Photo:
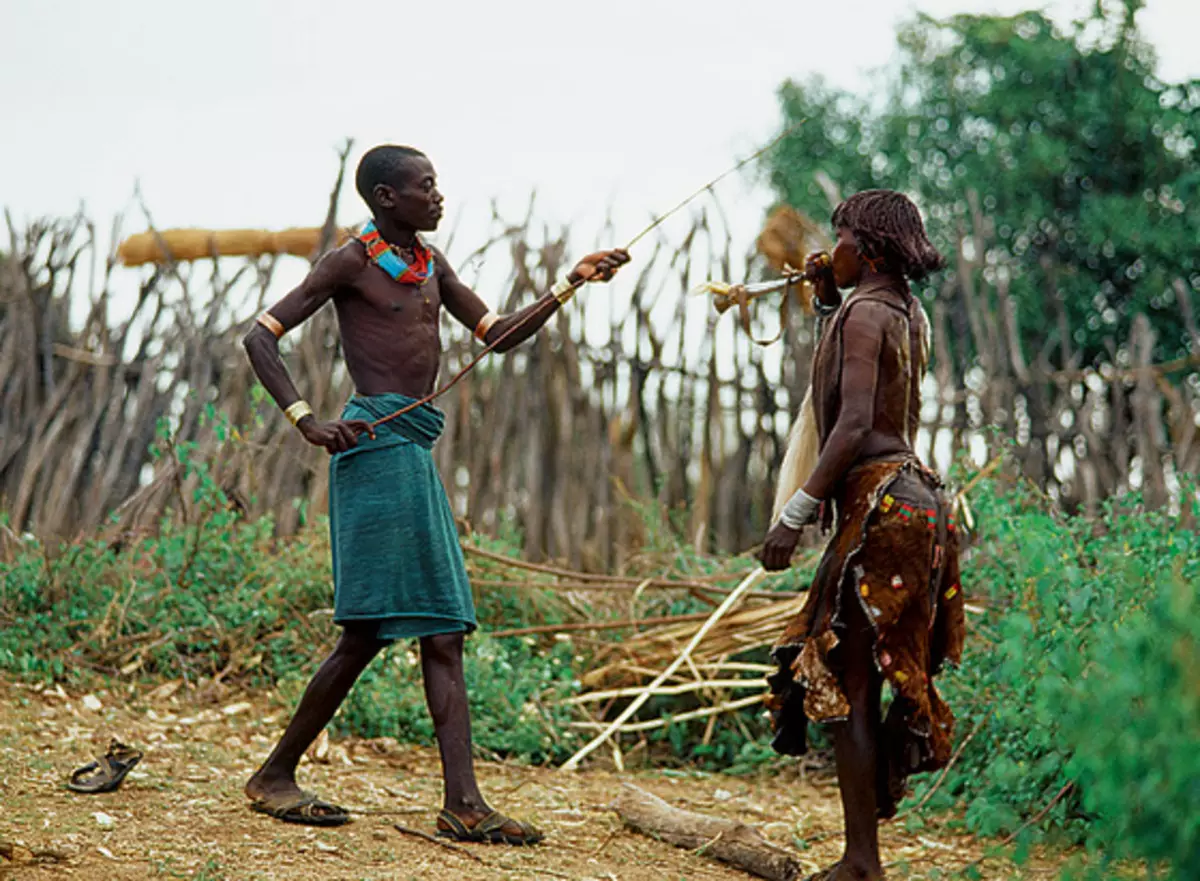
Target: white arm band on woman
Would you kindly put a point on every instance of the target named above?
(800, 510)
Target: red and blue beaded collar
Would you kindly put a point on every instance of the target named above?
(385, 257)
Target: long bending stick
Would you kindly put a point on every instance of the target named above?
(712, 183)
(653, 225)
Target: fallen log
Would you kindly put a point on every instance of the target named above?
(730, 842)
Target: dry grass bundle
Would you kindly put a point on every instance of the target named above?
(662, 661)
(693, 655)
(789, 236)
(630, 662)
(681, 659)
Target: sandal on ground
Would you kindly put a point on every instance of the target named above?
(305, 809)
(490, 829)
(106, 773)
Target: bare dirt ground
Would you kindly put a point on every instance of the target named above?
(181, 813)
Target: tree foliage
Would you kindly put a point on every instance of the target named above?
(1061, 156)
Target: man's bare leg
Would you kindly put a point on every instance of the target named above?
(446, 695)
(856, 747)
(325, 693)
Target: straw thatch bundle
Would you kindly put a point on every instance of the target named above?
(199, 244)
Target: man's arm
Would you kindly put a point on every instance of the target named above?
(262, 345)
(472, 312)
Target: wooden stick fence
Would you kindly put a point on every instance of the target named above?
(631, 417)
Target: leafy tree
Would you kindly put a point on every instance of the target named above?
(1061, 157)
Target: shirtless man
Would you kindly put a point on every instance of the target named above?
(398, 568)
(885, 603)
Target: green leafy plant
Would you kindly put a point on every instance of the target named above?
(1076, 702)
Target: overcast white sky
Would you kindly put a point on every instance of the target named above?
(229, 112)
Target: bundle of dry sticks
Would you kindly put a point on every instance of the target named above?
(698, 655)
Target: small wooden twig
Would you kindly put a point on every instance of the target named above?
(329, 228)
(651, 724)
(821, 836)
(607, 841)
(681, 688)
(703, 849)
(1034, 819)
(949, 765)
(425, 836)
(598, 625)
(541, 870)
(983, 472)
(83, 356)
(1038, 816)
(462, 851)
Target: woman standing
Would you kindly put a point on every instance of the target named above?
(885, 603)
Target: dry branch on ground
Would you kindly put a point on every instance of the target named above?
(729, 841)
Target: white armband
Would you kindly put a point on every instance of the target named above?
(800, 510)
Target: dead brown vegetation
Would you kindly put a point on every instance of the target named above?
(619, 404)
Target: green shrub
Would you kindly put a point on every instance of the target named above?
(204, 592)
(1076, 677)
(1132, 711)
(514, 691)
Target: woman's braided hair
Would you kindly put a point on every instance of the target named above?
(888, 228)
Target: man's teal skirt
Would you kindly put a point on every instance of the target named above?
(396, 557)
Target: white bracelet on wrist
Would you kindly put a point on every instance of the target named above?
(800, 510)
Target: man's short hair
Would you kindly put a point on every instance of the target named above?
(381, 165)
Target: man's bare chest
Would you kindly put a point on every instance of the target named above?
(378, 298)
